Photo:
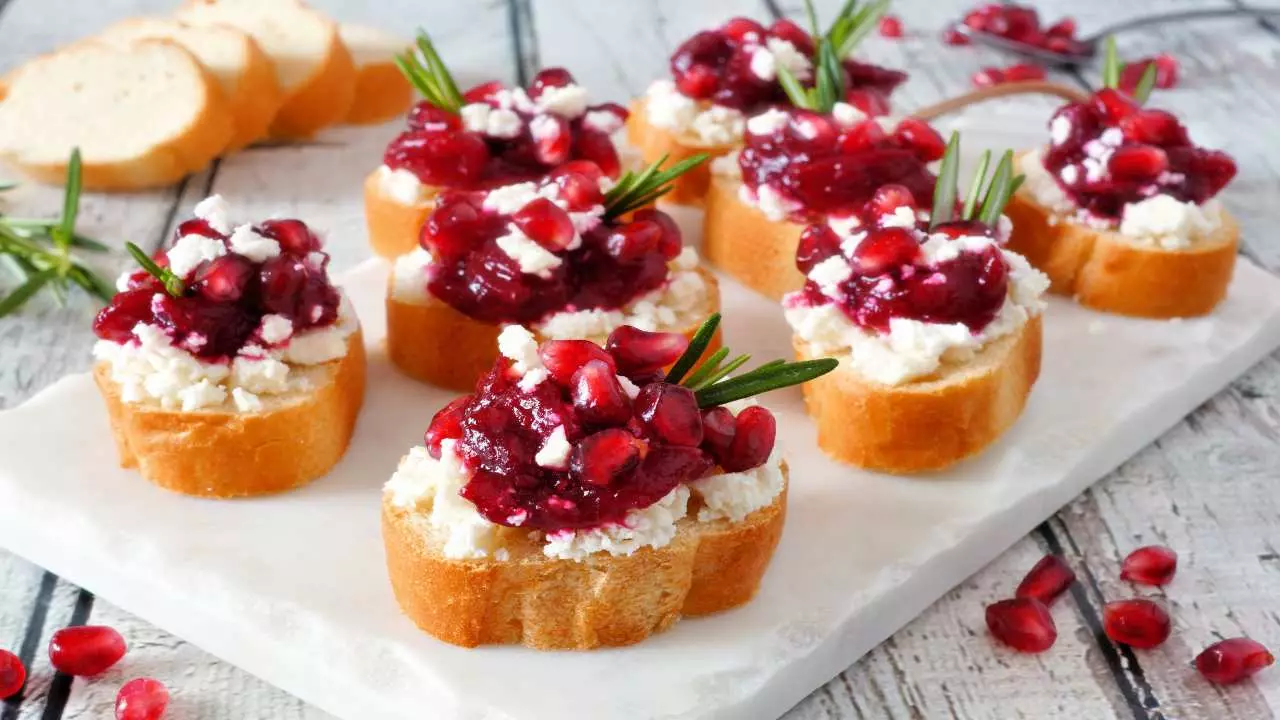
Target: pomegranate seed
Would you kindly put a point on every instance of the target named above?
(1154, 127)
(1150, 565)
(863, 136)
(817, 243)
(142, 699)
(563, 358)
(1139, 623)
(634, 240)
(446, 425)
(885, 249)
(1224, 662)
(1023, 624)
(1023, 72)
(195, 226)
(1166, 72)
(987, 77)
(293, 235)
(598, 396)
(85, 650)
(1113, 105)
(792, 33)
(1047, 580)
(586, 168)
(116, 321)
(552, 139)
(579, 190)
(546, 224)
(12, 674)
(553, 77)
(718, 427)
(952, 36)
(698, 82)
(743, 30)
(813, 132)
(672, 241)
(450, 228)
(640, 351)
(425, 116)
(754, 432)
(891, 26)
(596, 147)
(224, 279)
(1138, 163)
(671, 413)
(606, 457)
(889, 198)
(916, 135)
(483, 92)
(871, 102)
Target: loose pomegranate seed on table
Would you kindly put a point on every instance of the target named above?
(85, 650)
(1232, 660)
(1166, 72)
(1022, 24)
(1047, 580)
(1139, 623)
(12, 674)
(1023, 624)
(1150, 565)
(952, 36)
(891, 26)
(142, 699)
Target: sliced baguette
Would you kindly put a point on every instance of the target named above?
(654, 142)
(143, 116)
(222, 453)
(740, 241)
(1105, 271)
(392, 225)
(242, 69)
(382, 92)
(312, 66)
(436, 344)
(553, 604)
(930, 423)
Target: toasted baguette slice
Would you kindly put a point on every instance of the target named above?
(436, 344)
(930, 423)
(752, 249)
(243, 71)
(393, 226)
(312, 66)
(654, 142)
(1105, 271)
(221, 453)
(382, 92)
(553, 604)
(143, 116)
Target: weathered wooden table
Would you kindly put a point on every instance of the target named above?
(1208, 488)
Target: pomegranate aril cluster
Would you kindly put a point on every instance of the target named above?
(1022, 24)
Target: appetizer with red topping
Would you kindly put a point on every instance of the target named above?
(580, 497)
(572, 256)
(1120, 208)
(487, 137)
(230, 364)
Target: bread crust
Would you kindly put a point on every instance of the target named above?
(227, 454)
(434, 343)
(603, 601)
(1105, 271)
(382, 93)
(928, 424)
(393, 227)
(324, 99)
(653, 142)
(752, 249)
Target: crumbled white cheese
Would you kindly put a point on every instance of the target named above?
(667, 108)
(245, 401)
(422, 483)
(153, 369)
(409, 276)
(786, 55)
(495, 122)
(844, 226)
(727, 166)
(679, 304)
(520, 347)
(324, 344)
(847, 115)
(1169, 223)
(213, 210)
(554, 453)
(631, 389)
(508, 199)
(191, 250)
(1041, 185)
(768, 122)
(245, 241)
(544, 127)
(602, 121)
(769, 201)
(654, 526)
(763, 65)
(829, 273)
(1059, 130)
(532, 258)
(401, 185)
(275, 329)
(264, 374)
(568, 102)
(718, 125)
(902, 217)
(734, 496)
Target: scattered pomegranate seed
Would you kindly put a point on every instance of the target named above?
(554, 77)
(1166, 72)
(672, 242)
(483, 91)
(425, 116)
(1113, 105)
(1047, 580)
(142, 699)
(1230, 661)
(85, 650)
(1154, 127)
(921, 138)
(1021, 24)
(817, 243)
(581, 191)
(194, 226)
(1066, 27)
(553, 139)
(886, 249)
(597, 395)
(596, 147)
(1150, 565)
(1023, 624)
(224, 279)
(640, 351)
(12, 674)
(952, 36)
(450, 229)
(889, 198)
(755, 430)
(743, 29)
(606, 456)
(1023, 72)
(634, 240)
(671, 413)
(891, 26)
(546, 224)
(718, 427)
(563, 358)
(1138, 163)
(1139, 623)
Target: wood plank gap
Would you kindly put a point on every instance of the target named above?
(524, 40)
(170, 215)
(35, 629)
(1120, 659)
(60, 688)
(3, 4)
(771, 7)
(1263, 22)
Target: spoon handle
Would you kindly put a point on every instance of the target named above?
(1148, 20)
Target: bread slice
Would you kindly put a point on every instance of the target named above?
(392, 225)
(312, 66)
(436, 344)
(554, 604)
(930, 423)
(143, 116)
(740, 241)
(382, 92)
(653, 142)
(1105, 271)
(242, 69)
(221, 453)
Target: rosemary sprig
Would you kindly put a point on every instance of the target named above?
(828, 85)
(427, 72)
(635, 190)
(1111, 65)
(171, 282)
(1146, 84)
(1003, 184)
(986, 199)
(975, 189)
(944, 193)
(709, 383)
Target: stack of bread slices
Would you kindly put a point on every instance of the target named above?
(148, 101)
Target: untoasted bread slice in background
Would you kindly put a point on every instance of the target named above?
(654, 142)
(394, 226)
(382, 92)
(742, 242)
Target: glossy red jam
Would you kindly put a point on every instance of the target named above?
(605, 266)
(716, 65)
(1109, 152)
(826, 166)
(626, 453)
(1021, 24)
(226, 298)
(441, 151)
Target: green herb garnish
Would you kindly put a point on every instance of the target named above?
(1112, 69)
(171, 282)
(846, 31)
(427, 72)
(634, 191)
(986, 200)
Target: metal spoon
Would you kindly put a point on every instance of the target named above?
(1089, 45)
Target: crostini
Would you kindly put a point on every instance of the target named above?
(579, 498)
(230, 365)
(488, 136)
(561, 256)
(722, 76)
(382, 91)
(936, 327)
(1120, 211)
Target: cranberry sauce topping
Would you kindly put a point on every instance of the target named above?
(505, 135)
(522, 252)
(735, 65)
(1021, 24)
(832, 164)
(896, 268)
(1109, 151)
(617, 452)
(231, 282)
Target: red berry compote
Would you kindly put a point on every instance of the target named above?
(588, 448)
(257, 300)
